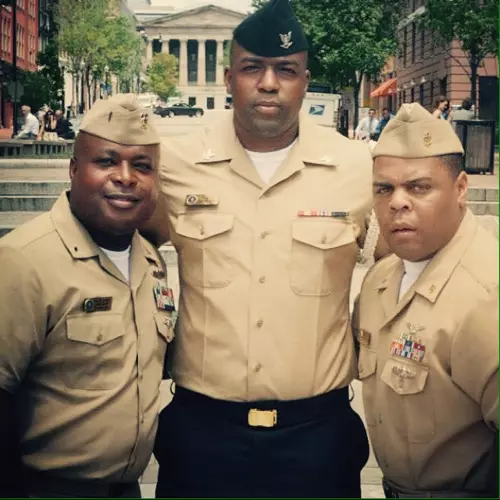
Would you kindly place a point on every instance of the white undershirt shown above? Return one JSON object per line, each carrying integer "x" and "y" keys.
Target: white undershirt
{"x": 121, "y": 260}
{"x": 267, "y": 163}
{"x": 412, "y": 271}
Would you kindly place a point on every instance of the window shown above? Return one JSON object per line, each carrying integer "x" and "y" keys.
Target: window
{"x": 421, "y": 97}
{"x": 405, "y": 45}
{"x": 422, "y": 44}
{"x": 443, "y": 85}
{"x": 413, "y": 42}
{"x": 412, "y": 94}
{"x": 192, "y": 101}
{"x": 431, "y": 93}
{"x": 210, "y": 103}
{"x": 404, "y": 97}
{"x": 21, "y": 4}
{"x": 20, "y": 49}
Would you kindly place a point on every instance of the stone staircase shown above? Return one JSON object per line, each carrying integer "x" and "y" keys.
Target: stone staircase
{"x": 30, "y": 187}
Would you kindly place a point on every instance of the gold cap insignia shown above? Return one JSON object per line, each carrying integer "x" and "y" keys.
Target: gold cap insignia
{"x": 144, "y": 121}
{"x": 286, "y": 40}
{"x": 427, "y": 140}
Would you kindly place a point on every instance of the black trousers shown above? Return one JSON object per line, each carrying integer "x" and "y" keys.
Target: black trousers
{"x": 206, "y": 448}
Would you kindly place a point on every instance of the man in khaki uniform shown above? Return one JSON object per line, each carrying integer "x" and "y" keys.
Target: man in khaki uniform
{"x": 427, "y": 322}
{"x": 266, "y": 210}
{"x": 85, "y": 318}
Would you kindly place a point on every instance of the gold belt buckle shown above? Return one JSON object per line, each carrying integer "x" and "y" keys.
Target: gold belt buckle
{"x": 262, "y": 418}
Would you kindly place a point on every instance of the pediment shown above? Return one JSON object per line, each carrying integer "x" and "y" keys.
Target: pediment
{"x": 206, "y": 16}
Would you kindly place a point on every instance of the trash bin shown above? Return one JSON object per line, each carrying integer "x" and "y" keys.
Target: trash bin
{"x": 478, "y": 141}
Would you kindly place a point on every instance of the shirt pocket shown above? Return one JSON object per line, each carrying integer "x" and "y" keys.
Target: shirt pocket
{"x": 205, "y": 248}
{"x": 322, "y": 250}
{"x": 166, "y": 336}
{"x": 409, "y": 382}
{"x": 94, "y": 358}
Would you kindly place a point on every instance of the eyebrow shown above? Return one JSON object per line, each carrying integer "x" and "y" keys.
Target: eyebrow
{"x": 411, "y": 181}
{"x": 258, "y": 60}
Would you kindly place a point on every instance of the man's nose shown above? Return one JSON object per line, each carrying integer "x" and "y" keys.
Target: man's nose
{"x": 400, "y": 200}
{"x": 269, "y": 81}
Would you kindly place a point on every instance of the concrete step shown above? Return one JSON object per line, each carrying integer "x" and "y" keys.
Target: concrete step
{"x": 484, "y": 207}
{"x": 15, "y": 188}
{"x": 26, "y": 203}
{"x": 11, "y": 220}
{"x": 482, "y": 194}
{"x": 34, "y": 174}
{"x": 12, "y": 163}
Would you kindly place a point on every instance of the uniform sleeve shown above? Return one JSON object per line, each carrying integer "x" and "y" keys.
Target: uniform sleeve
{"x": 474, "y": 357}
{"x": 23, "y": 317}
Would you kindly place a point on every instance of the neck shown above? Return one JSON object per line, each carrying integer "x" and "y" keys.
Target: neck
{"x": 261, "y": 144}
{"x": 115, "y": 242}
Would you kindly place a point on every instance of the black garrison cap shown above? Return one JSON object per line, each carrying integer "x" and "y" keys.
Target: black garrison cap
{"x": 272, "y": 31}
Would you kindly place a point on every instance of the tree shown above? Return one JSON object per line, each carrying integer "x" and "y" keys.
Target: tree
{"x": 163, "y": 76}
{"x": 96, "y": 41}
{"x": 349, "y": 39}
{"x": 471, "y": 23}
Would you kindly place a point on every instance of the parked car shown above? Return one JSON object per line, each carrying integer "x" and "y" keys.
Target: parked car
{"x": 179, "y": 109}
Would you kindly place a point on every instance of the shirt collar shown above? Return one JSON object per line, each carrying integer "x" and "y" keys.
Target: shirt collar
{"x": 220, "y": 143}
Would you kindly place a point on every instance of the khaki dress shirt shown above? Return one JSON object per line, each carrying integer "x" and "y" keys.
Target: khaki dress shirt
{"x": 429, "y": 366}
{"x": 87, "y": 383}
{"x": 265, "y": 270}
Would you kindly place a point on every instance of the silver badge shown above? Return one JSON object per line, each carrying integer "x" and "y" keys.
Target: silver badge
{"x": 286, "y": 40}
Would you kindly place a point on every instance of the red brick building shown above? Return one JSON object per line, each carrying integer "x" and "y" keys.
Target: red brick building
{"x": 26, "y": 49}
{"x": 424, "y": 71}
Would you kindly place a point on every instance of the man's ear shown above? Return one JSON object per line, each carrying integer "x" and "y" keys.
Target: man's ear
{"x": 228, "y": 79}
{"x": 462, "y": 184}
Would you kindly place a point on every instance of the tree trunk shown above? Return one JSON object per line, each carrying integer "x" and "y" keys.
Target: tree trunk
{"x": 357, "y": 86}
{"x": 473, "y": 81}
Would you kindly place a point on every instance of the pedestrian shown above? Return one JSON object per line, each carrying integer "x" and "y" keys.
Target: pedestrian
{"x": 367, "y": 127}
{"x": 427, "y": 322}
{"x": 442, "y": 108}
{"x": 266, "y": 211}
{"x": 85, "y": 318}
{"x": 29, "y": 130}
{"x": 465, "y": 112}
{"x": 386, "y": 116}
{"x": 63, "y": 126}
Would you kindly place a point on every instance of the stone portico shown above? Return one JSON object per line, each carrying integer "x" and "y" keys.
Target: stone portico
{"x": 197, "y": 38}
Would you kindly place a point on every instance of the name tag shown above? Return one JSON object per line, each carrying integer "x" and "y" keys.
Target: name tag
{"x": 201, "y": 200}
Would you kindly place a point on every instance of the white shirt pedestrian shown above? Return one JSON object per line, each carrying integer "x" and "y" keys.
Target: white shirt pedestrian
{"x": 367, "y": 126}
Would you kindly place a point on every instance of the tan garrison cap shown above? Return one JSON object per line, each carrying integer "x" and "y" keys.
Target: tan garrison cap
{"x": 415, "y": 133}
{"x": 120, "y": 119}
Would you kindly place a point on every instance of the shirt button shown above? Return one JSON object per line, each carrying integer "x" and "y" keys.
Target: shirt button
{"x": 142, "y": 418}
{"x": 323, "y": 240}
{"x": 99, "y": 338}
{"x": 202, "y": 230}
{"x": 264, "y": 234}
{"x": 141, "y": 375}
{"x": 260, "y": 323}
{"x": 262, "y": 279}
{"x": 257, "y": 368}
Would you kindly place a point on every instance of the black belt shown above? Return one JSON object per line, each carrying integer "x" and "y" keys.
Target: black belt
{"x": 79, "y": 488}
{"x": 272, "y": 413}
{"x": 391, "y": 492}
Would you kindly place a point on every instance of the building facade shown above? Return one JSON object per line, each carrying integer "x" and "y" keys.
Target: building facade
{"x": 425, "y": 71}
{"x": 197, "y": 38}
{"x": 26, "y": 49}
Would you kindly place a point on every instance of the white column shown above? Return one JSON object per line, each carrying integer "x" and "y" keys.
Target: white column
{"x": 219, "y": 63}
{"x": 183, "y": 62}
{"x": 164, "y": 46}
{"x": 149, "y": 51}
{"x": 202, "y": 66}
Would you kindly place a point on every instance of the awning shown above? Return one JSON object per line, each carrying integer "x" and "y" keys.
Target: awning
{"x": 386, "y": 88}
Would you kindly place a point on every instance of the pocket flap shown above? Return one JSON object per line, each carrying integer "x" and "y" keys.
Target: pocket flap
{"x": 164, "y": 325}
{"x": 404, "y": 377}
{"x": 95, "y": 328}
{"x": 367, "y": 364}
{"x": 323, "y": 234}
{"x": 203, "y": 226}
